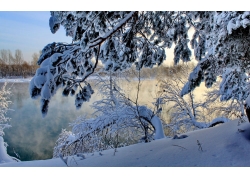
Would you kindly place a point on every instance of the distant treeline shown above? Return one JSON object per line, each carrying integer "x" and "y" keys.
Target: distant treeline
{"x": 15, "y": 66}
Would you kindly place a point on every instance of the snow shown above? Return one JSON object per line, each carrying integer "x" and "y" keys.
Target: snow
{"x": 219, "y": 120}
{"x": 236, "y": 23}
{"x": 159, "y": 133}
{"x": 98, "y": 40}
{"x": 4, "y": 157}
{"x": 225, "y": 145}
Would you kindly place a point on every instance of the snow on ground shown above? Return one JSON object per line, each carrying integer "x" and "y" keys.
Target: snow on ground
{"x": 4, "y": 157}
{"x": 225, "y": 145}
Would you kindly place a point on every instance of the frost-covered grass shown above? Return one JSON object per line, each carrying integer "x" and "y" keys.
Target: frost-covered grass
{"x": 226, "y": 145}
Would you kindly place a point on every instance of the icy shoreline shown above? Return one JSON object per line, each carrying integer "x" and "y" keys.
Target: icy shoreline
{"x": 16, "y": 80}
{"x": 27, "y": 80}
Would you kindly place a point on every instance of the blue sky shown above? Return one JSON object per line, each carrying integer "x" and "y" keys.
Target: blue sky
{"x": 28, "y": 31}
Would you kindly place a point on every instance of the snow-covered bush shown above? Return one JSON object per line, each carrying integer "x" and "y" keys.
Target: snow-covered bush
{"x": 118, "y": 121}
{"x": 186, "y": 113}
{"x": 189, "y": 112}
{"x": 232, "y": 109}
{"x": 4, "y": 107}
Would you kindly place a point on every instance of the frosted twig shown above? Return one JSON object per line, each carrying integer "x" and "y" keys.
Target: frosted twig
{"x": 179, "y": 146}
{"x": 199, "y": 144}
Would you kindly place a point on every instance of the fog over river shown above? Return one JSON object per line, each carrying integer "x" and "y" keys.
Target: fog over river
{"x": 33, "y": 137}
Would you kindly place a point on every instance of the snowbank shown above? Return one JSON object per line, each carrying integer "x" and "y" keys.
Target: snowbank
{"x": 4, "y": 157}
{"x": 225, "y": 145}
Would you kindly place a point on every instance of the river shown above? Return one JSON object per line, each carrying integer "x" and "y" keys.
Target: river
{"x": 33, "y": 137}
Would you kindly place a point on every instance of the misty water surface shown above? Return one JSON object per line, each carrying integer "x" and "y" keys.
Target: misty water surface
{"x": 34, "y": 137}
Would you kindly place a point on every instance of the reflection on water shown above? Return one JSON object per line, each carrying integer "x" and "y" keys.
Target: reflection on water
{"x": 33, "y": 137}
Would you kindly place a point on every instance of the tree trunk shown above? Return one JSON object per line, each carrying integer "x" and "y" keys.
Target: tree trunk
{"x": 247, "y": 109}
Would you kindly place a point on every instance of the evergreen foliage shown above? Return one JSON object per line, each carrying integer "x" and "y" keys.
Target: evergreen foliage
{"x": 120, "y": 39}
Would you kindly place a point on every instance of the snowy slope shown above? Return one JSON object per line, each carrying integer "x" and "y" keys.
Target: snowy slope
{"x": 222, "y": 145}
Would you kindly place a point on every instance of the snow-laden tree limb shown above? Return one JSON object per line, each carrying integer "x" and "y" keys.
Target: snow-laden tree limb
{"x": 120, "y": 39}
{"x": 117, "y": 122}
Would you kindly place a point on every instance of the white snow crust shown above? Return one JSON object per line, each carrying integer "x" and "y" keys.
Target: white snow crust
{"x": 226, "y": 145}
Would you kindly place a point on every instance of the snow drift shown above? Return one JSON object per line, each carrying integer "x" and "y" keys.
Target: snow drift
{"x": 225, "y": 145}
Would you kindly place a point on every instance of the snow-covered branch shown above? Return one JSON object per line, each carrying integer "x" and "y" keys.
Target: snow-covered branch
{"x": 186, "y": 110}
{"x": 117, "y": 121}
{"x": 220, "y": 43}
